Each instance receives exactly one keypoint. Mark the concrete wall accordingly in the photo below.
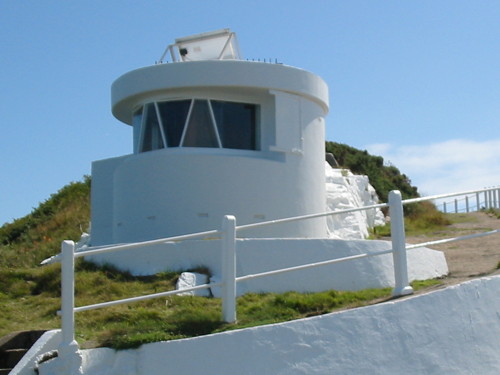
(450, 331)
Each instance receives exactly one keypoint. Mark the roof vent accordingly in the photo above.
(213, 45)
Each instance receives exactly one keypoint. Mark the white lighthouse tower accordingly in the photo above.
(213, 135)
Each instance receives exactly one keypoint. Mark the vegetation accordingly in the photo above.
(493, 212)
(30, 300)
(383, 178)
(65, 215)
(419, 217)
(30, 294)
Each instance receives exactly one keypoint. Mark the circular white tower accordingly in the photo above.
(213, 135)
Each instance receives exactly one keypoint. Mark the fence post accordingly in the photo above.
(444, 207)
(229, 269)
(456, 206)
(68, 350)
(466, 204)
(402, 286)
(478, 202)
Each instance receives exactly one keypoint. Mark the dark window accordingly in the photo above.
(136, 125)
(236, 124)
(137, 119)
(200, 130)
(173, 117)
(198, 123)
(151, 139)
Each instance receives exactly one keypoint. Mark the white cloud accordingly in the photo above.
(445, 167)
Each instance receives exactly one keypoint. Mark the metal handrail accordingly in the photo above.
(229, 279)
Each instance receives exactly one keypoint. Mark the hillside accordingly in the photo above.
(26, 241)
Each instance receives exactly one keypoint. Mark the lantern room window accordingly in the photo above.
(197, 123)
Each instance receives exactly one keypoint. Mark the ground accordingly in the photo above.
(471, 258)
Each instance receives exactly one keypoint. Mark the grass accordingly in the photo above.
(424, 218)
(30, 300)
(178, 317)
(27, 241)
(493, 212)
(30, 295)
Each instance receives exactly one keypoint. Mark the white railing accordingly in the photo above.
(471, 201)
(69, 347)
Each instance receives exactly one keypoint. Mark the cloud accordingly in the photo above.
(445, 167)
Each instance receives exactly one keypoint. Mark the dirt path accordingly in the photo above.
(470, 258)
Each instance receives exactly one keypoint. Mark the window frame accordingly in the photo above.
(144, 109)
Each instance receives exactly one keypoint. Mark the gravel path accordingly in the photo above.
(470, 258)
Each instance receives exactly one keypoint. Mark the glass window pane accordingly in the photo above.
(173, 117)
(136, 124)
(200, 130)
(151, 139)
(236, 123)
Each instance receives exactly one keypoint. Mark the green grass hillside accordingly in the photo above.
(30, 293)
(64, 215)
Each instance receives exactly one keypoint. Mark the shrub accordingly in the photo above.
(382, 178)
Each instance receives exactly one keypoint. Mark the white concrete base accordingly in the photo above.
(259, 255)
(450, 331)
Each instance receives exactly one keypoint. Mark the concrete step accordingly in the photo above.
(20, 340)
(14, 346)
(10, 357)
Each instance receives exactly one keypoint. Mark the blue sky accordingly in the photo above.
(417, 82)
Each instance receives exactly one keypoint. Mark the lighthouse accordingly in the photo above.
(216, 135)
(213, 135)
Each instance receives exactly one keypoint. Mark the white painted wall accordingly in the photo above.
(141, 84)
(183, 190)
(451, 331)
(178, 191)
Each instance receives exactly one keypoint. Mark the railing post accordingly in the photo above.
(444, 207)
(229, 269)
(402, 286)
(467, 204)
(456, 206)
(69, 355)
(478, 202)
